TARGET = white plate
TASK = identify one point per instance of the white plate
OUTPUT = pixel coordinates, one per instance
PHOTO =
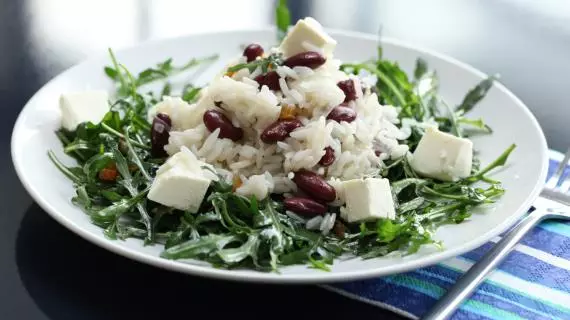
(34, 134)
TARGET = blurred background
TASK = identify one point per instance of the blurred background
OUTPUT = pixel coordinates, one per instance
(527, 42)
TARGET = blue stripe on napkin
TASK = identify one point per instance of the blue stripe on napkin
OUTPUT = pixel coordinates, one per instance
(485, 298)
(532, 283)
(528, 268)
(546, 240)
(560, 228)
(449, 276)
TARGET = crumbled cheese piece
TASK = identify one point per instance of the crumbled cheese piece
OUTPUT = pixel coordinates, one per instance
(367, 199)
(307, 35)
(443, 156)
(85, 106)
(181, 182)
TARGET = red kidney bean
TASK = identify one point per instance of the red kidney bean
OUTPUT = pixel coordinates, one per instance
(342, 113)
(347, 86)
(328, 158)
(159, 134)
(279, 130)
(309, 59)
(164, 117)
(304, 206)
(214, 119)
(253, 51)
(270, 79)
(314, 185)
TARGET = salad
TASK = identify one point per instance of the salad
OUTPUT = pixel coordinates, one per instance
(288, 156)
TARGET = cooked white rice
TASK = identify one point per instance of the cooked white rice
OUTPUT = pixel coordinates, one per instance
(360, 147)
(314, 223)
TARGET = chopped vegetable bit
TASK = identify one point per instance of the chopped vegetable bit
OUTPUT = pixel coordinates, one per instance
(108, 174)
(236, 183)
(288, 112)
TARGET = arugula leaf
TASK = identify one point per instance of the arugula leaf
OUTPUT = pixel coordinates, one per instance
(120, 135)
(282, 19)
(109, 214)
(64, 169)
(475, 123)
(199, 248)
(133, 156)
(83, 197)
(500, 161)
(421, 69)
(385, 236)
(273, 61)
(248, 249)
(386, 230)
(115, 72)
(475, 95)
(319, 264)
(398, 186)
(111, 73)
(165, 69)
(453, 122)
(411, 205)
(190, 93)
(96, 163)
(132, 188)
(161, 71)
(388, 85)
(166, 90)
(111, 195)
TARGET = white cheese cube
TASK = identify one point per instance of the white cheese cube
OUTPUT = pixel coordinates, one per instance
(79, 107)
(367, 199)
(179, 189)
(443, 156)
(307, 35)
(181, 182)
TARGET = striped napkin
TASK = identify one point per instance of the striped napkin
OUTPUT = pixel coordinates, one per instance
(533, 282)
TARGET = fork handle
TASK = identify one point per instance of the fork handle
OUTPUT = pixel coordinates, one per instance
(463, 288)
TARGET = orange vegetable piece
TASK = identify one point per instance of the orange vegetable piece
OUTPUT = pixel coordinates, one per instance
(236, 183)
(288, 112)
(108, 174)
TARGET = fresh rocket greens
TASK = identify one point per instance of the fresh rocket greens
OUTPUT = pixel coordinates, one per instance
(282, 19)
(418, 98)
(423, 205)
(163, 70)
(115, 170)
(272, 61)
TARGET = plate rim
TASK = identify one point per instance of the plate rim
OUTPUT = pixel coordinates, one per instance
(263, 277)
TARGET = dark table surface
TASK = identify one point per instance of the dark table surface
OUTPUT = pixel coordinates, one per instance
(47, 272)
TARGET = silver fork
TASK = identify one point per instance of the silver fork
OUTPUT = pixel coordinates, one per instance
(555, 193)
